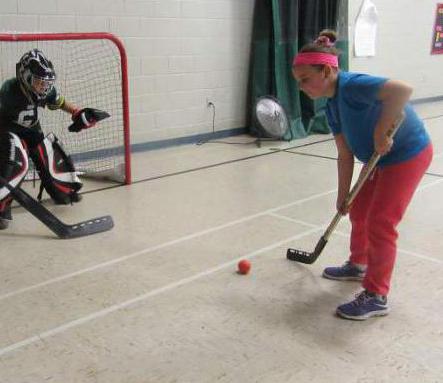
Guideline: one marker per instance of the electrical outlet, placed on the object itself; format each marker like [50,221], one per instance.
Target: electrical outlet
[209,103]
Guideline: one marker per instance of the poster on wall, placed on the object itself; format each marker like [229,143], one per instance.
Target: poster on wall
[437,38]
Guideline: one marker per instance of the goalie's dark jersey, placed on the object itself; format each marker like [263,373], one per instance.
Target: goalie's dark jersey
[17,111]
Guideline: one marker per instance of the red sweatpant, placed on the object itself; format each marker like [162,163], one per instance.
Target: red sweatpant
[375,214]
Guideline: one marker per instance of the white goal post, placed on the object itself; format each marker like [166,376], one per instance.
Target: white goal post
[91,71]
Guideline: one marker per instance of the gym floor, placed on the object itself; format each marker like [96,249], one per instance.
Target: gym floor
[158,299]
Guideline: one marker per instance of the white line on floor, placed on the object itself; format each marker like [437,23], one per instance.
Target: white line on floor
[323,227]
[340,233]
[143,297]
[98,314]
[162,246]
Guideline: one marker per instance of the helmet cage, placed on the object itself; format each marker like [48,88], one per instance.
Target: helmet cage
[41,86]
[36,74]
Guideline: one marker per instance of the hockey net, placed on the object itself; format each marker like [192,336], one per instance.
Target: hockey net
[91,71]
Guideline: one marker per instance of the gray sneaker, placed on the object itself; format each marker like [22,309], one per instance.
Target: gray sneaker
[364,306]
[347,272]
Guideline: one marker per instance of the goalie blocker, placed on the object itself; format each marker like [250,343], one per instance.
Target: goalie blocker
[86,118]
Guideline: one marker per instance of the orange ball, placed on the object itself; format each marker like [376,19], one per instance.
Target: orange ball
[244,266]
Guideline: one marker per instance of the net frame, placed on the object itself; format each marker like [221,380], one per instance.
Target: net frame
[123,94]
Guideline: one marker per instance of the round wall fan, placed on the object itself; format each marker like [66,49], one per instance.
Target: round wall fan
[271,117]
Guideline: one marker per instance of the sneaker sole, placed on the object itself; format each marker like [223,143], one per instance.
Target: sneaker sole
[356,279]
[380,313]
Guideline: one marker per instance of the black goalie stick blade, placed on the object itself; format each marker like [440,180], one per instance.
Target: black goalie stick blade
[82,229]
[62,230]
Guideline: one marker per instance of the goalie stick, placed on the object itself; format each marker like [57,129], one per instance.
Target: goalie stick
[310,257]
[62,230]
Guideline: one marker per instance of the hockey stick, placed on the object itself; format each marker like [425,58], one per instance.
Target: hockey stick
[309,258]
[62,230]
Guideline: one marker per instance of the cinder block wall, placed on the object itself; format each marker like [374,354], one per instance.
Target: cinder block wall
[184,53]
[403,45]
[181,53]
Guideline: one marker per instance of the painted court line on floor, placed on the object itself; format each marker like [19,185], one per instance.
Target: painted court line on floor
[126,304]
[161,246]
[347,235]
[98,314]
[323,227]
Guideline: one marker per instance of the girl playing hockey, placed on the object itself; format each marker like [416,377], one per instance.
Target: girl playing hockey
[360,110]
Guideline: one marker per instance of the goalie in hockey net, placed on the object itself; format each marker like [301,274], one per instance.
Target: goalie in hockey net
[32,88]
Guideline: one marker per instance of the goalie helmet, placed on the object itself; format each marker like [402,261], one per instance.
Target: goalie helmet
[35,74]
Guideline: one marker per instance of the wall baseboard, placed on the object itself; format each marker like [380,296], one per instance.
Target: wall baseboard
[426,100]
[194,139]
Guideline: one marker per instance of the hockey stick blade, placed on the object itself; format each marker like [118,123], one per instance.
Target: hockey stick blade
[304,256]
[62,230]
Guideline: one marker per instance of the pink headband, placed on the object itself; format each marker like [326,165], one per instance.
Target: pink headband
[315,58]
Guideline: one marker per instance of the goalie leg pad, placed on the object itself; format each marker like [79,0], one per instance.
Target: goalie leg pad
[13,167]
[56,171]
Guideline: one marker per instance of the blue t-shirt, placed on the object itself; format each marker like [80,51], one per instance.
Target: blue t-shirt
[354,111]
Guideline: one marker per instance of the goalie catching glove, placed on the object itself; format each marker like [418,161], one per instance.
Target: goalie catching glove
[86,118]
